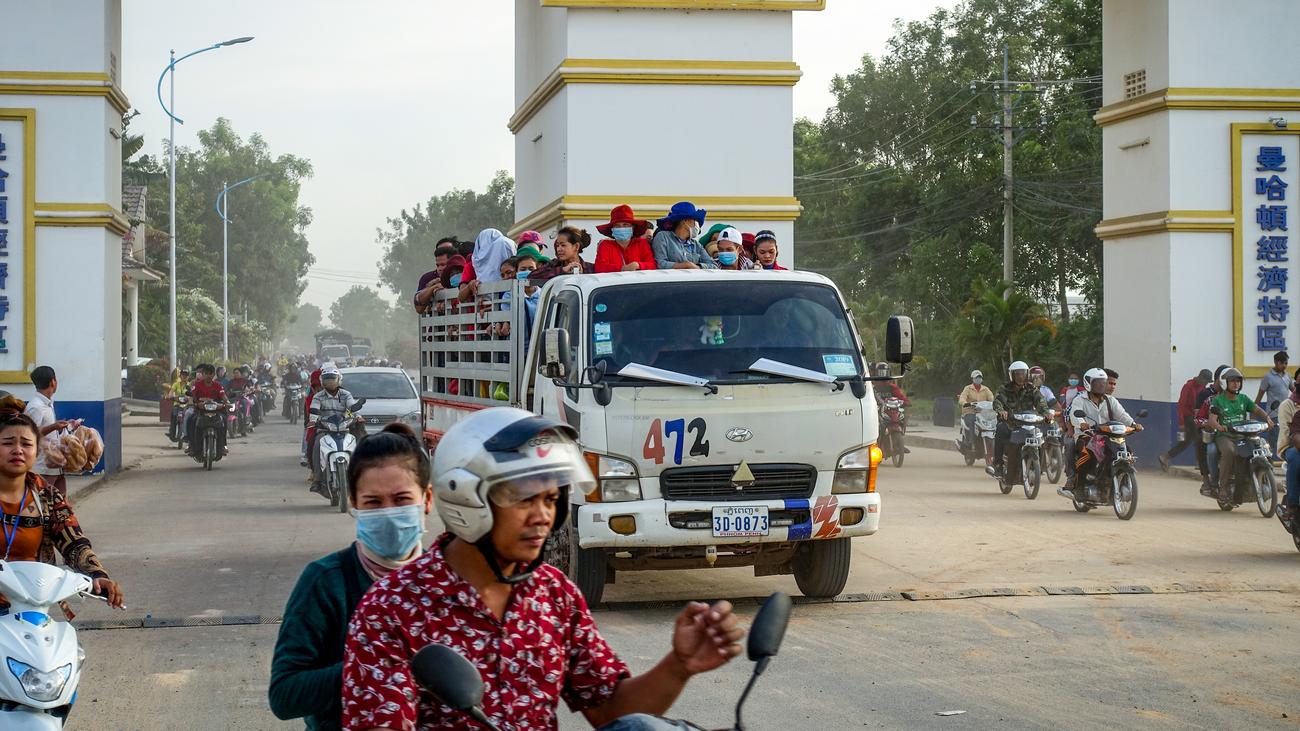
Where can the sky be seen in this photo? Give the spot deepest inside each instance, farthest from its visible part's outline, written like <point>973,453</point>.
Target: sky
<point>395,104</point>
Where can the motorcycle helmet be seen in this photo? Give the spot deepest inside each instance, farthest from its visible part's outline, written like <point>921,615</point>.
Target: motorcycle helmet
<point>1232,374</point>
<point>1019,365</point>
<point>1096,374</point>
<point>882,369</point>
<point>504,455</point>
<point>976,374</point>
<point>1037,374</point>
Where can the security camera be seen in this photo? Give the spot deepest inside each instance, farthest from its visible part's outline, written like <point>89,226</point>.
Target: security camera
<point>1278,122</point>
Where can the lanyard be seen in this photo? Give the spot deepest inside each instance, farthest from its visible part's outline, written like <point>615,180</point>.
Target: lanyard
<point>11,534</point>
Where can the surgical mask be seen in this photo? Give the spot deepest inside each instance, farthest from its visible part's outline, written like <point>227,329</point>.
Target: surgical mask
<point>695,230</point>
<point>622,233</point>
<point>522,274</point>
<point>727,258</point>
<point>455,280</point>
<point>1074,381</point>
<point>978,381</point>
<point>391,533</point>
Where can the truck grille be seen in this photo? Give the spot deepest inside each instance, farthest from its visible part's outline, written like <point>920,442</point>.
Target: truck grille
<point>771,482</point>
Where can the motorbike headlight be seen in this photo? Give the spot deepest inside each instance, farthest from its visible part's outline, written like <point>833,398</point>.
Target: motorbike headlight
<point>38,685</point>
<point>617,479</point>
<point>856,470</point>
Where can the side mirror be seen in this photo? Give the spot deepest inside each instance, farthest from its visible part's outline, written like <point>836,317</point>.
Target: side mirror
<point>1216,411</point>
<point>1143,414</point>
<point>452,679</point>
<point>557,359</point>
<point>356,405</point>
<point>1079,414</point>
<point>768,630</point>
<point>899,336</point>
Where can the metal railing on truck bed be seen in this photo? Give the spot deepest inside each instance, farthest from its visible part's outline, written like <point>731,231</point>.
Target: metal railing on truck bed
<point>472,352</point>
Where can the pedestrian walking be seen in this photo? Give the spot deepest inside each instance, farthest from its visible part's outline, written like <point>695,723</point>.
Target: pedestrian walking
<point>1274,388</point>
<point>1190,433</point>
<point>41,411</point>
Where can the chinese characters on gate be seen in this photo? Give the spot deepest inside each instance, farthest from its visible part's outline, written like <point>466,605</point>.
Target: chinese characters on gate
<point>1271,249</point>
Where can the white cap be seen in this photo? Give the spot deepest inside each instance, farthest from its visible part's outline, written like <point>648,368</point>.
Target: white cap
<point>732,235</point>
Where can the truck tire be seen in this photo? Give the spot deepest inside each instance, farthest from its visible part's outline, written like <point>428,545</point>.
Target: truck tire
<point>586,567</point>
<point>821,568</point>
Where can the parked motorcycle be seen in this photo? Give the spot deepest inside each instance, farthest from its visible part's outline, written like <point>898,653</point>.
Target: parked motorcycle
<point>1023,457</point>
<point>336,438</point>
<point>293,400</point>
<point>1053,448</point>
<point>1252,473</point>
<point>210,417</point>
<point>44,657</point>
<point>893,425</point>
<point>977,442</point>
<point>456,682</point>
<point>1113,477</point>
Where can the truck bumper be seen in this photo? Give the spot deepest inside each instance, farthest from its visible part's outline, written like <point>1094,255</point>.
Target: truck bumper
<point>664,524</point>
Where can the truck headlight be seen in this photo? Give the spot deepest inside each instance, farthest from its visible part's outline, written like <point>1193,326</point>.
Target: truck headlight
<point>40,686</point>
<point>856,470</point>
<point>617,480</point>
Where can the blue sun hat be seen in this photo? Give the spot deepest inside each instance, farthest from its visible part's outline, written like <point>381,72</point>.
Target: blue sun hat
<point>680,211</point>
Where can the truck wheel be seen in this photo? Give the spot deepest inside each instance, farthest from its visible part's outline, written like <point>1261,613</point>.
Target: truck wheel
<point>586,567</point>
<point>821,568</point>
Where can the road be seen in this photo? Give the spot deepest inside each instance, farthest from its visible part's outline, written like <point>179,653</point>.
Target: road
<point>196,549</point>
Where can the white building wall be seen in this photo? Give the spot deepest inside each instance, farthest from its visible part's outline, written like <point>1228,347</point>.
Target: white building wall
<point>681,34</point>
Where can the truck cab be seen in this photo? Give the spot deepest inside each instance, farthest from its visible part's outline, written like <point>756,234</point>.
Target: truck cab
<point>727,417</point>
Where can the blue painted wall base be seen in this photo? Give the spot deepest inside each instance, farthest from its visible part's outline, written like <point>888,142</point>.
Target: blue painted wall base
<point>104,416</point>
<point>1160,432</point>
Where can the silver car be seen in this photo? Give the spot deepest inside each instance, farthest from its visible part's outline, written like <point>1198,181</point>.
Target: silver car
<point>390,396</point>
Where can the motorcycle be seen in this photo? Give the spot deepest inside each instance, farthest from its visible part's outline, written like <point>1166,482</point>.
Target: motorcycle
<point>455,682</point>
<point>293,402</point>
<point>1252,473</point>
<point>179,405</point>
<point>267,396</point>
<point>210,417</point>
<point>1023,457</point>
<point>336,438</point>
<point>1292,527</point>
<point>977,442</point>
<point>1053,448</point>
<point>893,425</point>
<point>243,403</point>
<point>44,657</point>
<point>1114,477</point>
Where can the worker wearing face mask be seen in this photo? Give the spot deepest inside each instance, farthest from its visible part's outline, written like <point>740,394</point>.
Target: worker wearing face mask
<point>674,243</point>
<point>730,254</point>
<point>627,249</point>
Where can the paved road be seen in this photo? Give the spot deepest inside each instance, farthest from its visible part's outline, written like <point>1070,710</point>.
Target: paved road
<point>197,547</point>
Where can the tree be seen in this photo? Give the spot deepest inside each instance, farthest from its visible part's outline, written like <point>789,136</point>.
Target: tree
<point>305,322</point>
<point>411,236</point>
<point>361,311</point>
<point>1002,325</point>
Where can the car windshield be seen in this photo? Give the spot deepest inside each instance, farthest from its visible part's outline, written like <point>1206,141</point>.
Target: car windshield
<point>718,330</point>
<point>379,385</point>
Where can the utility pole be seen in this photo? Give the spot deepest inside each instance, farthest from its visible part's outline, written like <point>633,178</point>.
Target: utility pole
<point>1008,176</point>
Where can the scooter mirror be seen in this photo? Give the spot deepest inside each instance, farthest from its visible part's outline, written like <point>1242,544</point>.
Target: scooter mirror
<point>452,679</point>
<point>768,630</point>
<point>1079,413</point>
<point>1143,414</point>
<point>356,405</point>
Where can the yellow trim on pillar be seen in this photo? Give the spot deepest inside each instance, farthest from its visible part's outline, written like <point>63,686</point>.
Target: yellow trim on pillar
<point>28,118</point>
<point>720,208</point>
<point>688,4</point>
<point>55,75</point>
<point>653,71</point>
<point>105,89</point>
<point>1199,97</point>
<point>1165,221</point>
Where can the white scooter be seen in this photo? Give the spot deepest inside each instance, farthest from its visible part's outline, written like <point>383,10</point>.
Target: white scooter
<point>335,442</point>
<point>42,657</point>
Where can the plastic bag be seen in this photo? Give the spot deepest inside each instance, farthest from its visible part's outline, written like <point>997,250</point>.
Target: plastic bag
<point>93,444</point>
<point>52,448</point>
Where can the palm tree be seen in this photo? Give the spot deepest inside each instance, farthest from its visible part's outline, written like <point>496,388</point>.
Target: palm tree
<point>1001,322</point>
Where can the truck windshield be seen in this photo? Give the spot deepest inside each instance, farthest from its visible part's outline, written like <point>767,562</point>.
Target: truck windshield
<point>717,330</point>
<point>334,351</point>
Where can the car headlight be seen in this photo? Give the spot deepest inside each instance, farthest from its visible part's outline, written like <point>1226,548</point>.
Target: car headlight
<point>856,470</point>
<point>412,418</point>
<point>40,686</point>
<point>616,479</point>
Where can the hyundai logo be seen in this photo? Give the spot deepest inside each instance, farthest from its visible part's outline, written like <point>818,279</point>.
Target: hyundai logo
<point>739,434</point>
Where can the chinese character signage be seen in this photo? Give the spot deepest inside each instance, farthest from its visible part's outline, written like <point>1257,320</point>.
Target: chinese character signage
<point>15,228</point>
<point>1270,164</point>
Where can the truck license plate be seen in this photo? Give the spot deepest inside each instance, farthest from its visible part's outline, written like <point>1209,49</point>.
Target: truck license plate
<point>740,521</point>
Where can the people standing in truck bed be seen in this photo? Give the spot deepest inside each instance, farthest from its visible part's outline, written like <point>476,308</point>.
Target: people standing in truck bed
<point>674,243</point>
<point>627,249</point>
<point>569,243</point>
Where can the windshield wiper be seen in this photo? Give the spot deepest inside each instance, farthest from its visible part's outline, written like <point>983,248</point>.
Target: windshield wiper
<point>777,368</point>
<point>660,375</point>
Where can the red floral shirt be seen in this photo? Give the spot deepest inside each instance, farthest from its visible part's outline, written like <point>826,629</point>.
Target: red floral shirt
<point>545,647</point>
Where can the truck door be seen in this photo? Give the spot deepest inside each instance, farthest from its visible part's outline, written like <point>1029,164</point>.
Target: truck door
<point>564,311</point>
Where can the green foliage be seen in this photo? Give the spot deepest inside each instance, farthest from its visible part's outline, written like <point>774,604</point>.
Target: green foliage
<point>146,381</point>
<point>999,326</point>
<point>410,237</point>
<point>305,322</point>
<point>362,312</point>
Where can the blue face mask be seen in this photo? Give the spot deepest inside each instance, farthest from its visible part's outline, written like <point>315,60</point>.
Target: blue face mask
<point>727,258</point>
<point>455,280</point>
<point>1074,381</point>
<point>621,233</point>
<point>522,274</point>
<point>391,533</point>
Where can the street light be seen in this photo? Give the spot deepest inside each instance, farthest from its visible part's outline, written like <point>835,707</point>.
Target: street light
<point>222,206</point>
<point>171,181</point>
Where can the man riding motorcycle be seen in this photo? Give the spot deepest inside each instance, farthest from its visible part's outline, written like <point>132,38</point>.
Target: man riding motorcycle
<point>1227,409</point>
<point>1038,377</point>
<point>1018,396</point>
<point>501,479</point>
<point>332,399</point>
<point>1098,407</point>
<point>205,388</point>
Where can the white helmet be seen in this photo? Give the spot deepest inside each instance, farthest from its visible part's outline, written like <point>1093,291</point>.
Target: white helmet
<point>976,374</point>
<point>1019,365</point>
<point>330,372</point>
<point>1094,374</point>
<point>487,455</point>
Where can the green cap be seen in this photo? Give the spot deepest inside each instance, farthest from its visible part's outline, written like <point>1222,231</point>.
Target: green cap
<point>704,240</point>
<point>531,252</point>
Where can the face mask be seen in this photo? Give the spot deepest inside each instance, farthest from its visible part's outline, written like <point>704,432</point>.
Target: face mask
<point>1074,381</point>
<point>978,381</point>
<point>390,533</point>
<point>727,258</point>
<point>522,274</point>
<point>695,231</point>
<point>455,280</point>
<point>622,233</point>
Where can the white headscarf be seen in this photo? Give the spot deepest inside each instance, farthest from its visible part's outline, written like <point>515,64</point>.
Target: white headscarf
<point>490,249</point>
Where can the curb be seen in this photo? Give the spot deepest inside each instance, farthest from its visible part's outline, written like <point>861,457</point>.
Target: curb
<point>99,481</point>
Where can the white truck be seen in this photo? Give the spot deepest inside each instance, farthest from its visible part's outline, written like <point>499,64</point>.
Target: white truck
<point>728,416</point>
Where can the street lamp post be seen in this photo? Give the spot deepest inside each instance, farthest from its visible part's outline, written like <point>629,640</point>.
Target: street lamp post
<point>171,182</point>
<point>222,204</point>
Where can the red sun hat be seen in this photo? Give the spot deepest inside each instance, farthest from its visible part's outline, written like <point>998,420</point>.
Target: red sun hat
<point>624,214</point>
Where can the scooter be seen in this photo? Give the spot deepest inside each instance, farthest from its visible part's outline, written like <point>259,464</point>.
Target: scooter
<point>210,417</point>
<point>1114,479</point>
<point>1053,448</point>
<point>267,396</point>
<point>1023,457</point>
<point>336,438</point>
<point>893,425</point>
<point>43,657</point>
<point>177,421</point>
<point>977,442</point>
<point>1252,473</point>
<point>455,682</point>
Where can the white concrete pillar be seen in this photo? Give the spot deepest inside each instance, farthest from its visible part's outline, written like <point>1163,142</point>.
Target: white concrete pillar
<point>133,310</point>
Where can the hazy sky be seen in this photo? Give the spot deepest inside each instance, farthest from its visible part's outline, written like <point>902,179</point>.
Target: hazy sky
<point>393,101</point>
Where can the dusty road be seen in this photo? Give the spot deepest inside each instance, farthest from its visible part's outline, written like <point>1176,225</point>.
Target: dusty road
<point>1212,647</point>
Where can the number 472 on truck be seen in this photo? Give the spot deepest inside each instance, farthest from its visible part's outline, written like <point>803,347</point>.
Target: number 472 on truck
<point>728,416</point>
